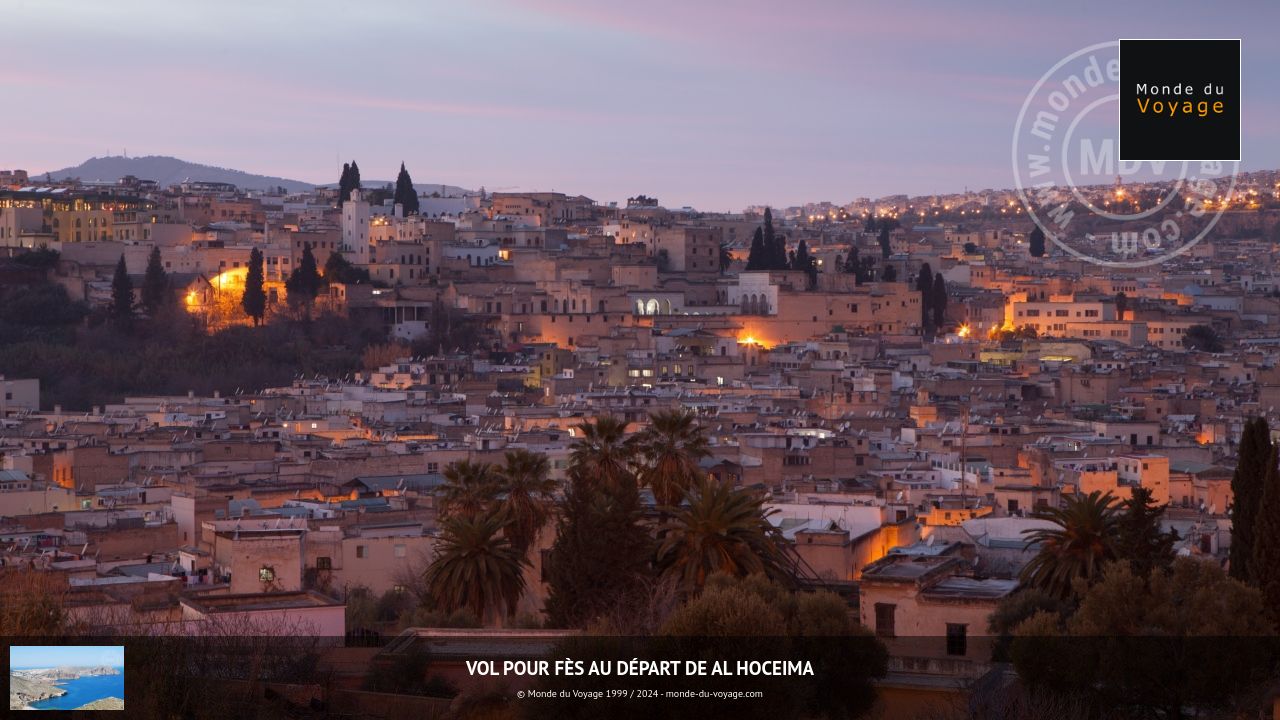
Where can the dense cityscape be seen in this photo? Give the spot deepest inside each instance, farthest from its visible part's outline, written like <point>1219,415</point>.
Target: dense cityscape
<point>387,419</point>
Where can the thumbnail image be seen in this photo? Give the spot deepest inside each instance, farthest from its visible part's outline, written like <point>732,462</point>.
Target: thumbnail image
<point>66,677</point>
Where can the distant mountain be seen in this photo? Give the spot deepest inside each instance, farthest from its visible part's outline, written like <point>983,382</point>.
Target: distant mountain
<point>168,171</point>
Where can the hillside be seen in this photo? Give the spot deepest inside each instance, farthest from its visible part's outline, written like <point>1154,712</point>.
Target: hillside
<point>108,703</point>
<point>169,171</point>
<point>24,690</point>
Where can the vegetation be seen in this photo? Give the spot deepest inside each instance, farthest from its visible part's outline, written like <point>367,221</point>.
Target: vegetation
<point>476,567</point>
<point>469,489</point>
<point>121,307</point>
<point>526,496</point>
<point>304,283</point>
<point>349,181</point>
<point>1265,566</point>
<point>1083,541</point>
<point>1246,487</point>
<point>156,292</point>
<point>671,448</point>
<point>406,196</point>
<point>338,269</point>
<point>1187,639</point>
<point>1035,242</point>
<point>721,529</point>
<point>768,250</point>
<point>254,300</point>
<point>1203,338</point>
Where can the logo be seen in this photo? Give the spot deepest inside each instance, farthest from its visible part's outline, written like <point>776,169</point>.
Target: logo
<point>1085,199</point>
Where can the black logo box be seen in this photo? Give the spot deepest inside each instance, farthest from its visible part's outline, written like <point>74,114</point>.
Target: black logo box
<point>1186,65</point>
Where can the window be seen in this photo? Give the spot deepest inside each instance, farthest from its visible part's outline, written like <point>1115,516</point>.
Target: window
<point>399,551</point>
<point>360,551</point>
<point>957,639</point>
<point>267,574</point>
<point>884,619</point>
<point>324,563</point>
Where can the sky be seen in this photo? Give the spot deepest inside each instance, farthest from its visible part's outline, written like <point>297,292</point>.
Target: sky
<point>715,104</point>
<point>46,656</point>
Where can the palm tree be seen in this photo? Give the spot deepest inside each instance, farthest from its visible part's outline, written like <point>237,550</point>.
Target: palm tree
<point>720,529</point>
<point>526,495</point>
<point>469,488</point>
<point>671,447</point>
<point>476,566</point>
<point>602,454</point>
<point>1083,541</point>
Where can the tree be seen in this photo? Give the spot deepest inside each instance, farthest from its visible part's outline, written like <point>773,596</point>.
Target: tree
<point>970,249</point>
<point>924,285</point>
<point>1203,338</point>
<point>304,283</point>
<point>756,258</point>
<point>889,274</point>
<point>121,307</point>
<point>406,196</point>
<point>1266,541</point>
<point>254,300</point>
<point>602,555</point>
<point>885,248</point>
<point>1083,541</point>
<point>1246,489</point>
<point>1035,242</point>
<point>1140,540</point>
<point>476,567</point>
<point>349,181</point>
<point>1122,302</point>
<point>469,488</point>
<point>721,529</point>
<point>775,246</point>
<point>155,284</point>
<point>602,454</point>
<point>938,299</point>
<point>337,269</point>
<point>1190,637</point>
<point>526,495</point>
<point>671,448</point>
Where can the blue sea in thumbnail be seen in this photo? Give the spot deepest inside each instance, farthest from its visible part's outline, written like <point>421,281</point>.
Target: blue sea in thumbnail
<point>82,691</point>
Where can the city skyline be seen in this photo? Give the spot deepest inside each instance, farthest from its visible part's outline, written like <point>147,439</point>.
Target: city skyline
<point>700,107</point>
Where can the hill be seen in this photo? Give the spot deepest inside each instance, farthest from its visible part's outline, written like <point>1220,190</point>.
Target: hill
<point>24,690</point>
<point>108,703</point>
<point>170,171</point>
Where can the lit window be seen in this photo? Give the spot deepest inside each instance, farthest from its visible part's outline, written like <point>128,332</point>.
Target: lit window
<point>267,574</point>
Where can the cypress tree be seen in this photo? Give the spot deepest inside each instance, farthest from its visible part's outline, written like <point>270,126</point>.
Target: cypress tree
<point>601,555</point>
<point>1265,564</point>
<point>304,282</point>
<point>344,183</point>
<point>355,177</point>
<point>939,300</point>
<point>155,284</point>
<point>885,249</point>
<point>924,285</point>
<point>254,300</point>
<point>889,274</point>
<point>756,259</point>
<point>121,307</point>
<point>405,195</point>
<point>1036,242</point>
<point>775,248</point>
<point>1246,488</point>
